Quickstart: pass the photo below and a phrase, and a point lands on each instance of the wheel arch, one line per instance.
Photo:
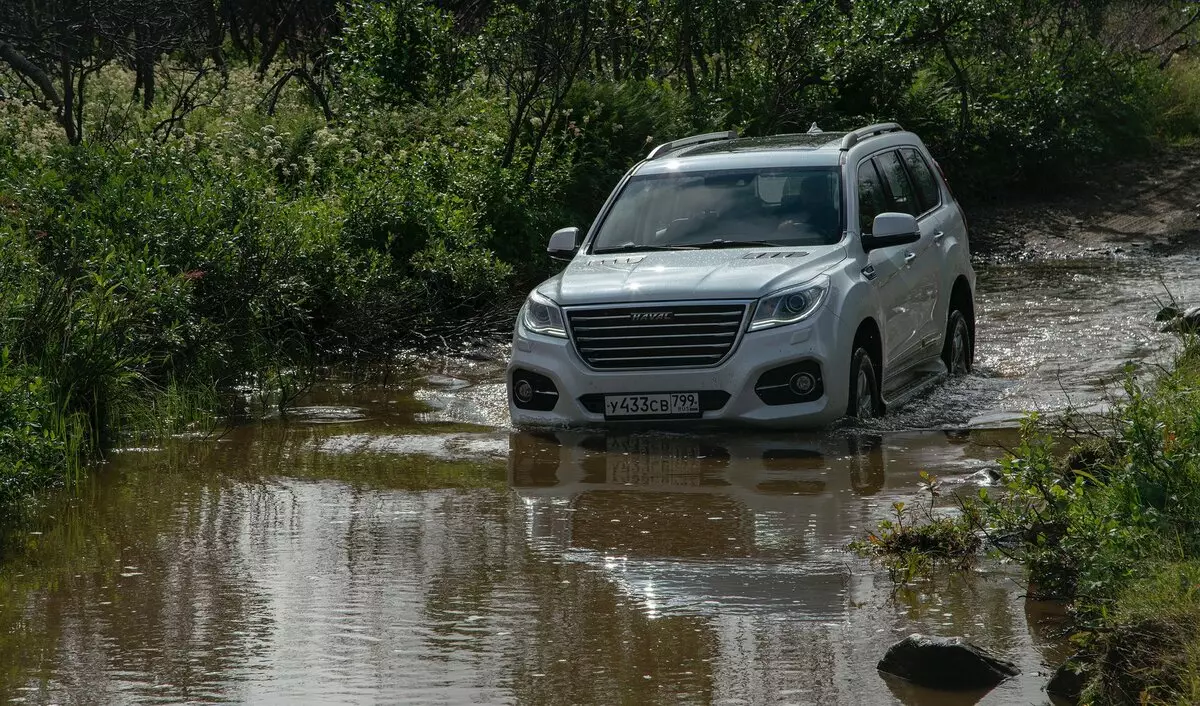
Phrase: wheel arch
(962, 299)
(869, 336)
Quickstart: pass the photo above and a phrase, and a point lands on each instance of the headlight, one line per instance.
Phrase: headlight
(543, 316)
(789, 305)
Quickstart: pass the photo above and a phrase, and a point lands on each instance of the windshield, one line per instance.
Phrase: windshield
(755, 207)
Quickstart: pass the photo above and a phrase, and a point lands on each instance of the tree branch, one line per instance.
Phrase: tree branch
(1178, 31)
(25, 67)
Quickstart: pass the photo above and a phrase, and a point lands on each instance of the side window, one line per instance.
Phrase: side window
(904, 200)
(872, 201)
(928, 193)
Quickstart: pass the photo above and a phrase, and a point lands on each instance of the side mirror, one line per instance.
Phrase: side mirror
(890, 230)
(563, 243)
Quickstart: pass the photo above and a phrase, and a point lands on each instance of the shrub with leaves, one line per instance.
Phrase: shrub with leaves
(917, 540)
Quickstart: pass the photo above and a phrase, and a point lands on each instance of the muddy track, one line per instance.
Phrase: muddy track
(1151, 205)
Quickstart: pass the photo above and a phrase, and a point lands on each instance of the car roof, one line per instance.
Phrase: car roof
(792, 150)
(719, 151)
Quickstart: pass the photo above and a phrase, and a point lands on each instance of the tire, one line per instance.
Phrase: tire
(958, 352)
(865, 401)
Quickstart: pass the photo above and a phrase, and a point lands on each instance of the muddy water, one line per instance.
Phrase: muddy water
(398, 544)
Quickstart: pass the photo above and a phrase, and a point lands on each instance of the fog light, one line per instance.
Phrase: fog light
(802, 383)
(793, 383)
(523, 391)
(533, 391)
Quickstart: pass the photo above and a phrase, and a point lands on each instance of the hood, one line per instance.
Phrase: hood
(688, 274)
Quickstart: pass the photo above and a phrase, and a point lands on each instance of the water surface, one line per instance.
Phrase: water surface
(398, 544)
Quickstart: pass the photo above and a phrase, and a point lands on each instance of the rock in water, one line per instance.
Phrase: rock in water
(948, 663)
(1168, 313)
(1187, 322)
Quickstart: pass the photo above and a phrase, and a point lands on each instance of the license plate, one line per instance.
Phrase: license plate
(671, 404)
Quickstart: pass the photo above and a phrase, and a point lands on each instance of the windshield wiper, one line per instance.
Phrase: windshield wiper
(720, 243)
(634, 247)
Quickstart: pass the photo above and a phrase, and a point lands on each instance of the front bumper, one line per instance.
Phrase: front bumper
(732, 382)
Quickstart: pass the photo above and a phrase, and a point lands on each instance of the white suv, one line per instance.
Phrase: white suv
(783, 281)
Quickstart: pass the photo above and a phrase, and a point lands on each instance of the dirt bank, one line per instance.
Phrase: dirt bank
(1147, 205)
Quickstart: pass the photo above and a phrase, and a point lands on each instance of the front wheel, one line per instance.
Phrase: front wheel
(958, 351)
(865, 400)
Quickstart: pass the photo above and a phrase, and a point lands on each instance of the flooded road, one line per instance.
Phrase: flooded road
(398, 544)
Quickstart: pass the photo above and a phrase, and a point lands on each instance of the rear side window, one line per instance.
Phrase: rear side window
(872, 200)
(928, 195)
(904, 198)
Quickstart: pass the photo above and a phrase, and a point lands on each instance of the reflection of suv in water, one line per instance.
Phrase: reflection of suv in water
(786, 281)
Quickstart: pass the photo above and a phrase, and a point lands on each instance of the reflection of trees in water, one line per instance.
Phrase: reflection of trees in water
(185, 616)
(765, 657)
(201, 523)
(248, 554)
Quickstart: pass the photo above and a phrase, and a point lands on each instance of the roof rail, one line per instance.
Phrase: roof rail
(854, 137)
(693, 140)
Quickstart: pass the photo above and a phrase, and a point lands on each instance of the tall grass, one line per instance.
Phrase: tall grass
(1178, 103)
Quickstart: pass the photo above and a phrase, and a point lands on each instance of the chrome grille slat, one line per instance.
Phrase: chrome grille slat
(721, 324)
(714, 356)
(602, 349)
(666, 335)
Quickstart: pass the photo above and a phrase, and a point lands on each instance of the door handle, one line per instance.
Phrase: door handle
(909, 257)
(937, 237)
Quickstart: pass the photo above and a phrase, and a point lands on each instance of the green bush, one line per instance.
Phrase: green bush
(1177, 103)
(399, 52)
(1111, 526)
(33, 442)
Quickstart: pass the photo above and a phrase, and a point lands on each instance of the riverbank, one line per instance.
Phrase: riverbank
(1146, 205)
(1111, 527)
(1102, 511)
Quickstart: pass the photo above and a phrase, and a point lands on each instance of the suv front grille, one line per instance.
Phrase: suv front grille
(662, 336)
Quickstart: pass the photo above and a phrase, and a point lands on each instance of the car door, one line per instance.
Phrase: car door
(937, 218)
(886, 269)
(922, 259)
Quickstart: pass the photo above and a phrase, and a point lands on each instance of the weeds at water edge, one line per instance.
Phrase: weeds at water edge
(917, 540)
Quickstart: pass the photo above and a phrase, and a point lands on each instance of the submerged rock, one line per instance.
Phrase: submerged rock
(948, 663)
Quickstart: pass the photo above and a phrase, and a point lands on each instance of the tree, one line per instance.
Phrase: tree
(534, 54)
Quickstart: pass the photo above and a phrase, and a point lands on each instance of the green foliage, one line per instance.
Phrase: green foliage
(1111, 526)
(917, 541)
(399, 52)
(1087, 523)
(147, 284)
(1149, 651)
(32, 447)
(1177, 103)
